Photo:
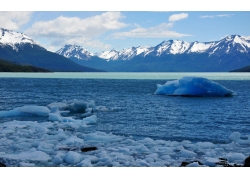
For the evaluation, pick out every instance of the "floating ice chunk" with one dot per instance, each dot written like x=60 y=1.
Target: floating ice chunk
x=142 y=163
x=24 y=164
x=31 y=155
x=147 y=142
x=101 y=137
x=59 y=105
x=57 y=160
x=187 y=153
x=194 y=164
x=87 y=114
x=205 y=145
x=236 y=157
x=124 y=150
x=41 y=129
x=85 y=163
x=93 y=159
x=60 y=135
x=211 y=153
x=74 y=106
x=165 y=157
x=72 y=157
x=166 y=150
x=26 y=111
x=211 y=162
x=235 y=136
x=55 y=115
x=73 y=140
x=78 y=106
x=90 y=120
x=193 y=86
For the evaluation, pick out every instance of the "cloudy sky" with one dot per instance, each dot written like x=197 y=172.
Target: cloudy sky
x=116 y=29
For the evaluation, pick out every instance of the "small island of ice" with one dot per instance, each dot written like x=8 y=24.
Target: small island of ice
x=193 y=86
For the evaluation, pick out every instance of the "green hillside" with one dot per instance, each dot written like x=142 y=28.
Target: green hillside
x=244 y=69
x=8 y=66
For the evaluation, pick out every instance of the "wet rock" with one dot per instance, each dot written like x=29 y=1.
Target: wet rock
x=247 y=162
x=2 y=165
x=223 y=162
x=86 y=149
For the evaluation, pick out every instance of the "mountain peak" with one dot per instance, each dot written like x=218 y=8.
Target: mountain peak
x=75 y=51
x=14 y=39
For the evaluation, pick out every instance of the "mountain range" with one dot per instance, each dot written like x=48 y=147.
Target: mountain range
x=229 y=53
x=19 y=48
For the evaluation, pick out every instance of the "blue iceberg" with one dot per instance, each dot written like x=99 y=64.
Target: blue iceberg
x=193 y=86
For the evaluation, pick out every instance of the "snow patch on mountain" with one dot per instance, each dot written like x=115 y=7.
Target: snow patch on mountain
x=172 y=47
x=124 y=54
x=75 y=51
x=109 y=55
x=229 y=44
x=14 y=39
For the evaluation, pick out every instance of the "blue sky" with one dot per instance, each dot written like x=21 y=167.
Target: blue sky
x=104 y=30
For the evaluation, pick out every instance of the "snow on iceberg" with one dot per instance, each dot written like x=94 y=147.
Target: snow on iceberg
x=26 y=111
x=193 y=86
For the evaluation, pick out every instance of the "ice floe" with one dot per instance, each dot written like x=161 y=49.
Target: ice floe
x=58 y=142
x=193 y=86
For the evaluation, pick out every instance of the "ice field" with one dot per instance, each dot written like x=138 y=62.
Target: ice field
x=40 y=131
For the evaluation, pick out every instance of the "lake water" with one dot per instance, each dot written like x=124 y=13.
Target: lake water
x=127 y=108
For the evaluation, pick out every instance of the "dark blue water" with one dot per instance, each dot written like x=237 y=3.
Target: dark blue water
x=133 y=110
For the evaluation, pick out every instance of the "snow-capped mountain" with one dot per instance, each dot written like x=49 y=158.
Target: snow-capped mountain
x=14 y=39
x=227 y=45
x=124 y=54
x=70 y=51
x=19 y=48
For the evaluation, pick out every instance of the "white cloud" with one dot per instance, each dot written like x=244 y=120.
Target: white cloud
x=214 y=16
x=74 y=30
x=93 y=44
x=160 y=31
x=13 y=20
x=77 y=27
x=177 y=17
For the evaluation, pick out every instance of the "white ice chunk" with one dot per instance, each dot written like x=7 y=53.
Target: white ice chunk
x=187 y=153
x=192 y=86
x=101 y=137
x=73 y=140
x=24 y=164
x=236 y=136
x=59 y=105
x=147 y=142
x=142 y=163
x=31 y=155
x=205 y=145
x=90 y=120
x=211 y=162
x=194 y=164
x=55 y=115
x=236 y=157
x=85 y=163
x=26 y=111
x=57 y=160
x=72 y=157
x=166 y=150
